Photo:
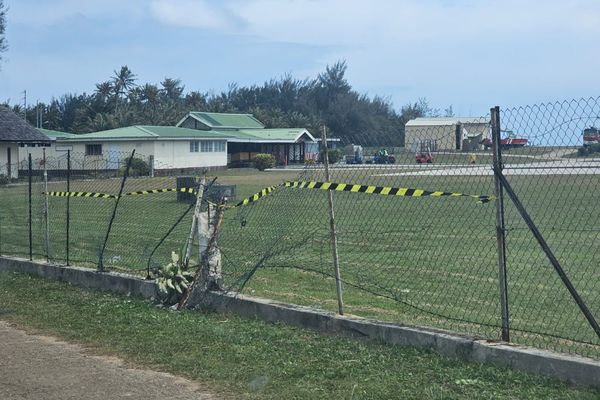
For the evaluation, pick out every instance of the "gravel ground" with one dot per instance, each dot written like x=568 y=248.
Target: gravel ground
x=41 y=367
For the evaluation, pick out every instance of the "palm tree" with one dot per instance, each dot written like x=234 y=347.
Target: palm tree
x=172 y=88
x=122 y=82
x=2 y=27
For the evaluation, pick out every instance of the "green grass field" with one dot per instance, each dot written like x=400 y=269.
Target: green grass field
x=235 y=357
x=424 y=261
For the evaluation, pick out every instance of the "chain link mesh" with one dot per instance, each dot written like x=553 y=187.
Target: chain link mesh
x=416 y=225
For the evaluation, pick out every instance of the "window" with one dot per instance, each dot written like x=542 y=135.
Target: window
x=93 y=149
x=206 y=146
x=194 y=145
x=220 y=146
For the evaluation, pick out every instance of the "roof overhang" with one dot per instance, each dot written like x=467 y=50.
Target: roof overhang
x=133 y=139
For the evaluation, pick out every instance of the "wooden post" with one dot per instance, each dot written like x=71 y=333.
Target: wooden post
x=332 y=229
x=197 y=209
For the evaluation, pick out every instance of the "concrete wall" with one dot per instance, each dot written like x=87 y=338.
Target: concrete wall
x=176 y=154
x=14 y=154
x=574 y=369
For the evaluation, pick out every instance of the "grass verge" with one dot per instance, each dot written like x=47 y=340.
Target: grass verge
x=252 y=359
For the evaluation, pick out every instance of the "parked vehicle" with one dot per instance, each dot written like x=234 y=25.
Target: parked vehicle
x=511 y=141
x=591 y=136
x=382 y=157
x=354 y=154
x=423 y=154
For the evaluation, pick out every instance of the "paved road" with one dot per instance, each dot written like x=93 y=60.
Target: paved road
x=40 y=367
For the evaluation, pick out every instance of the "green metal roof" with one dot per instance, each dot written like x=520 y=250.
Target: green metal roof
x=277 y=135
x=145 y=132
x=226 y=120
x=56 y=134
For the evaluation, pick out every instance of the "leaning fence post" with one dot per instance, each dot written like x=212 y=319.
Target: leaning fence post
x=195 y=222
x=114 y=213
x=334 y=248
x=68 y=202
x=30 y=220
x=500 y=225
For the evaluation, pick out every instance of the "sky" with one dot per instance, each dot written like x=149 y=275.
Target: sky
x=469 y=54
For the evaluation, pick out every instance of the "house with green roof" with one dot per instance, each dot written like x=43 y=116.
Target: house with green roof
x=200 y=140
x=165 y=147
x=248 y=137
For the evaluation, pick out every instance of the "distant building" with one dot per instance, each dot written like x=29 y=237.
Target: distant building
x=200 y=140
x=15 y=133
x=446 y=133
x=248 y=137
x=166 y=147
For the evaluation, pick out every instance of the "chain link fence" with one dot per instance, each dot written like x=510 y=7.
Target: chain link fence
x=480 y=225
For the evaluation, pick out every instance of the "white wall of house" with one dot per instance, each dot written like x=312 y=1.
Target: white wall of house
x=168 y=154
x=113 y=154
x=178 y=154
x=14 y=154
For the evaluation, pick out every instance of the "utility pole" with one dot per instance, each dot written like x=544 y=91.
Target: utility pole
x=25 y=105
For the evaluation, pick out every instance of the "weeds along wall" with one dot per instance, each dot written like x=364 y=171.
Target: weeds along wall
x=484 y=225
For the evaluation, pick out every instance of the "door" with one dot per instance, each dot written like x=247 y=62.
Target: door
x=114 y=156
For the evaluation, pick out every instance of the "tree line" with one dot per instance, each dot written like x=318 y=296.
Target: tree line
x=327 y=100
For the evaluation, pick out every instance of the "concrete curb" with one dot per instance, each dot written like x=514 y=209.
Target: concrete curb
x=577 y=370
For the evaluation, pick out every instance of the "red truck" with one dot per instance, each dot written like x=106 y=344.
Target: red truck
x=511 y=141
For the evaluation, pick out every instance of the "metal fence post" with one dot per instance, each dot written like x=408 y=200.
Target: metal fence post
x=500 y=226
x=68 y=203
x=46 y=217
x=30 y=219
x=114 y=213
x=334 y=247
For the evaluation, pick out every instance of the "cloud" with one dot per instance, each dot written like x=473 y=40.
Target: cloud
x=36 y=14
x=194 y=14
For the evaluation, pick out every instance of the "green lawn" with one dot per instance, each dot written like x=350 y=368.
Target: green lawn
x=245 y=358
x=424 y=261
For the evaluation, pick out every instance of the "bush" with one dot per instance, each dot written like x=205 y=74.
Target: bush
x=4 y=180
x=335 y=155
x=263 y=161
x=594 y=148
x=138 y=167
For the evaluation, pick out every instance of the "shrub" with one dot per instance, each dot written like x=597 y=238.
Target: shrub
x=263 y=161
x=4 y=180
x=138 y=167
x=335 y=155
x=594 y=148
x=582 y=151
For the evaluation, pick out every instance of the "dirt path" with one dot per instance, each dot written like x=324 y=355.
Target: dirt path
x=40 y=367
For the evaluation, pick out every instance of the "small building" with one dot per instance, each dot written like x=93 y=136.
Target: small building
x=16 y=133
x=248 y=137
x=446 y=133
x=164 y=147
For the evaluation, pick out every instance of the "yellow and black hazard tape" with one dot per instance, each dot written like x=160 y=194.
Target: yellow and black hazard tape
x=156 y=191
x=381 y=190
x=254 y=197
x=83 y=194
x=114 y=196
